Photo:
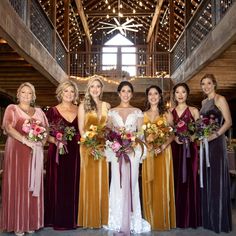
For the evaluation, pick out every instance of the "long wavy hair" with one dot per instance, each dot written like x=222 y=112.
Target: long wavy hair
x=161 y=106
x=89 y=103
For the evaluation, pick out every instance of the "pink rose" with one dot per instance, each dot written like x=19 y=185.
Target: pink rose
x=26 y=128
x=182 y=126
x=115 y=146
x=59 y=136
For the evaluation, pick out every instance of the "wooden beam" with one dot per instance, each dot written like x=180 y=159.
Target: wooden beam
x=83 y=19
x=155 y=19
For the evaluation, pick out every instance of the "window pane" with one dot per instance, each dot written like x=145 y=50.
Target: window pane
x=109 y=57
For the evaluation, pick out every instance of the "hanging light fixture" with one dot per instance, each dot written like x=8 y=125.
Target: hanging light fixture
x=126 y=26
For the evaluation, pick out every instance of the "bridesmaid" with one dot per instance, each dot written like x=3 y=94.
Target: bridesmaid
x=93 y=194
x=157 y=170
x=62 y=171
x=187 y=192
x=216 y=205
x=22 y=209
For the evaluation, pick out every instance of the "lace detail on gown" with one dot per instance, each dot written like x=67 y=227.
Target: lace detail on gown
x=131 y=119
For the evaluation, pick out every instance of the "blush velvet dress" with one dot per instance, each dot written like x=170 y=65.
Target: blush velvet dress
x=94 y=183
x=187 y=193
x=215 y=194
x=21 y=211
x=158 y=187
x=62 y=179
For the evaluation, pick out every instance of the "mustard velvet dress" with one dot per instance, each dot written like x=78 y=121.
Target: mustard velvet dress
x=158 y=187
x=94 y=183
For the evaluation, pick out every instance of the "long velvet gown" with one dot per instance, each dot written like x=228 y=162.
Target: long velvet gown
x=187 y=194
x=62 y=180
x=158 y=187
x=21 y=211
x=215 y=194
x=93 y=193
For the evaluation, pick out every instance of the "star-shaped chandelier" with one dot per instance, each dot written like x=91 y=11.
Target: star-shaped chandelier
x=126 y=26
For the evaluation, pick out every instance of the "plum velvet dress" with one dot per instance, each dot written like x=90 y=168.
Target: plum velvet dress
x=215 y=194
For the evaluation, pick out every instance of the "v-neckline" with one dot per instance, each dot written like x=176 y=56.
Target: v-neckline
x=182 y=114
x=26 y=112
x=64 y=117
x=154 y=120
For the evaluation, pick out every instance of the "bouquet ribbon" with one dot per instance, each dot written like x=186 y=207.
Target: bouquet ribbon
x=36 y=170
x=186 y=154
x=203 y=144
x=60 y=145
x=126 y=159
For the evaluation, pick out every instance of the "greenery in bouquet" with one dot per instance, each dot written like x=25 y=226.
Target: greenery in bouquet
x=94 y=140
x=206 y=126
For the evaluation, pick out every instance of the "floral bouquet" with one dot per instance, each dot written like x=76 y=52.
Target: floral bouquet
x=62 y=133
x=206 y=126
x=122 y=142
x=157 y=134
x=94 y=139
x=35 y=132
x=184 y=130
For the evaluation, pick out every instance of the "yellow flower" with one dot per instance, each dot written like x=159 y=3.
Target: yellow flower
x=160 y=122
x=91 y=134
x=93 y=127
x=144 y=127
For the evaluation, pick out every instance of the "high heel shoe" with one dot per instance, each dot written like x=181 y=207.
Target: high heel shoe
x=30 y=232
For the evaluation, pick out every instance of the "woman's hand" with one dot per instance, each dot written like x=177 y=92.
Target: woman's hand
x=28 y=143
x=160 y=149
x=213 y=136
x=177 y=140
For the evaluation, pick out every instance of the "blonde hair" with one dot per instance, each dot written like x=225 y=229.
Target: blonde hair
x=64 y=85
x=29 y=85
x=89 y=103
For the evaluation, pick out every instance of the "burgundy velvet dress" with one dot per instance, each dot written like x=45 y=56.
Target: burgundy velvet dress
x=187 y=194
x=62 y=180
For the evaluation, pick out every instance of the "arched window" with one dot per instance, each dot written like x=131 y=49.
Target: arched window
x=120 y=54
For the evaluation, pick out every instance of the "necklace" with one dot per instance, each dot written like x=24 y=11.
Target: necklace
x=27 y=111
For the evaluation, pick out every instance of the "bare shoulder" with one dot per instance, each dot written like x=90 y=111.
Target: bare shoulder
x=193 y=110
x=108 y=105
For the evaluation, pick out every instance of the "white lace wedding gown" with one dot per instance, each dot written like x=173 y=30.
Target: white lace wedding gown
x=121 y=218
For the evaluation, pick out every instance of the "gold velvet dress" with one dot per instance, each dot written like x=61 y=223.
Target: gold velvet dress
x=158 y=187
x=93 y=193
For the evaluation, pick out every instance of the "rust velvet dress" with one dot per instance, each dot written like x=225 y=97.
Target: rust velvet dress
x=158 y=187
x=93 y=193
x=20 y=210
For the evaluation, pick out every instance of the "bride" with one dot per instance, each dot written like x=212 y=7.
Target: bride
x=124 y=201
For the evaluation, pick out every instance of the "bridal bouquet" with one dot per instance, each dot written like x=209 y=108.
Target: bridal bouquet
x=206 y=126
x=157 y=133
x=122 y=142
x=35 y=132
x=62 y=134
x=94 y=139
x=184 y=130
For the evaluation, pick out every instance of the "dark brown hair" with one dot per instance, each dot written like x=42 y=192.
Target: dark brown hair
x=160 y=105
x=180 y=85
